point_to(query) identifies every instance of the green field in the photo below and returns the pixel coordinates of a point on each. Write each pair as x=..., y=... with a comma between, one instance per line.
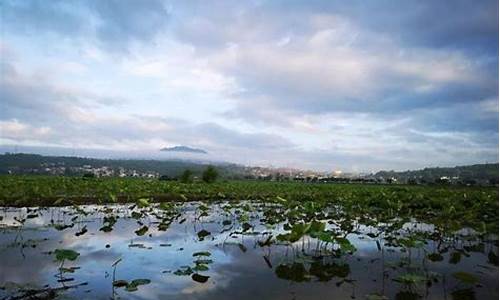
x=457, y=207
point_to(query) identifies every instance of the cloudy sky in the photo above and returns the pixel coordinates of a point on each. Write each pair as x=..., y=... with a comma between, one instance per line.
x=352, y=85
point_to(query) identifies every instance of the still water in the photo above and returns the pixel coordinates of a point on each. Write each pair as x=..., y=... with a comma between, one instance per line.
x=227, y=251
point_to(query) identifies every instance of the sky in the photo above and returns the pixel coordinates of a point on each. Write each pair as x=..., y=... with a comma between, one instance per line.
x=320, y=85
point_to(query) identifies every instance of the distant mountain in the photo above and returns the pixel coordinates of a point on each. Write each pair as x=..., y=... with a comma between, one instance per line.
x=487, y=173
x=69, y=165
x=184, y=149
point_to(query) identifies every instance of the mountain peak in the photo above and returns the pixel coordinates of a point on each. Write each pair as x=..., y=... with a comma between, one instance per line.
x=183, y=149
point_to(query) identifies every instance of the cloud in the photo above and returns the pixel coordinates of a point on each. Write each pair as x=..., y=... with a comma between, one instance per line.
x=318, y=73
x=39, y=99
x=114, y=24
x=16, y=130
x=120, y=22
x=30, y=17
x=310, y=84
x=31, y=97
x=229, y=138
x=466, y=25
x=36, y=111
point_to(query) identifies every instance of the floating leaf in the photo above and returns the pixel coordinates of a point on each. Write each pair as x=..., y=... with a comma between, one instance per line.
x=246, y=226
x=163, y=226
x=203, y=261
x=132, y=286
x=202, y=253
x=202, y=234
x=63, y=254
x=200, y=268
x=184, y=271
x=120, y=283
x=200, y=278
x=136, y=215
x=108, y=222
x=106, y=228
x=111, y=220
x=141, y=231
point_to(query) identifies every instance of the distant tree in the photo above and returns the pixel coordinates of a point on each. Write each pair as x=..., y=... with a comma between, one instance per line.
x=186, y=176
x=166, y=178
x=470, y=182
x=412, y=181
x=89, y=175
x=441, y=181
x=210, y=174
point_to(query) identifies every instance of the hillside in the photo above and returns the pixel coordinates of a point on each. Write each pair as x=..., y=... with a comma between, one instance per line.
x=485, y=173
x=70, y=165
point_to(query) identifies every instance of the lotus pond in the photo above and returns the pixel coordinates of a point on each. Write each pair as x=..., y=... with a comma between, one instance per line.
x=275, y=248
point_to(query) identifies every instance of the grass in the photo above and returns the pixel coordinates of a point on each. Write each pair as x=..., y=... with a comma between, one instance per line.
x=18, y=190
x=476, y=207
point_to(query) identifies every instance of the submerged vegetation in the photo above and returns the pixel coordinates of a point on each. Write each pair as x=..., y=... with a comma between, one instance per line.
x=417, y=241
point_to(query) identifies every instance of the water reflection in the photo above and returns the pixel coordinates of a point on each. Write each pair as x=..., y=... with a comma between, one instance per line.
x=235, y=250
